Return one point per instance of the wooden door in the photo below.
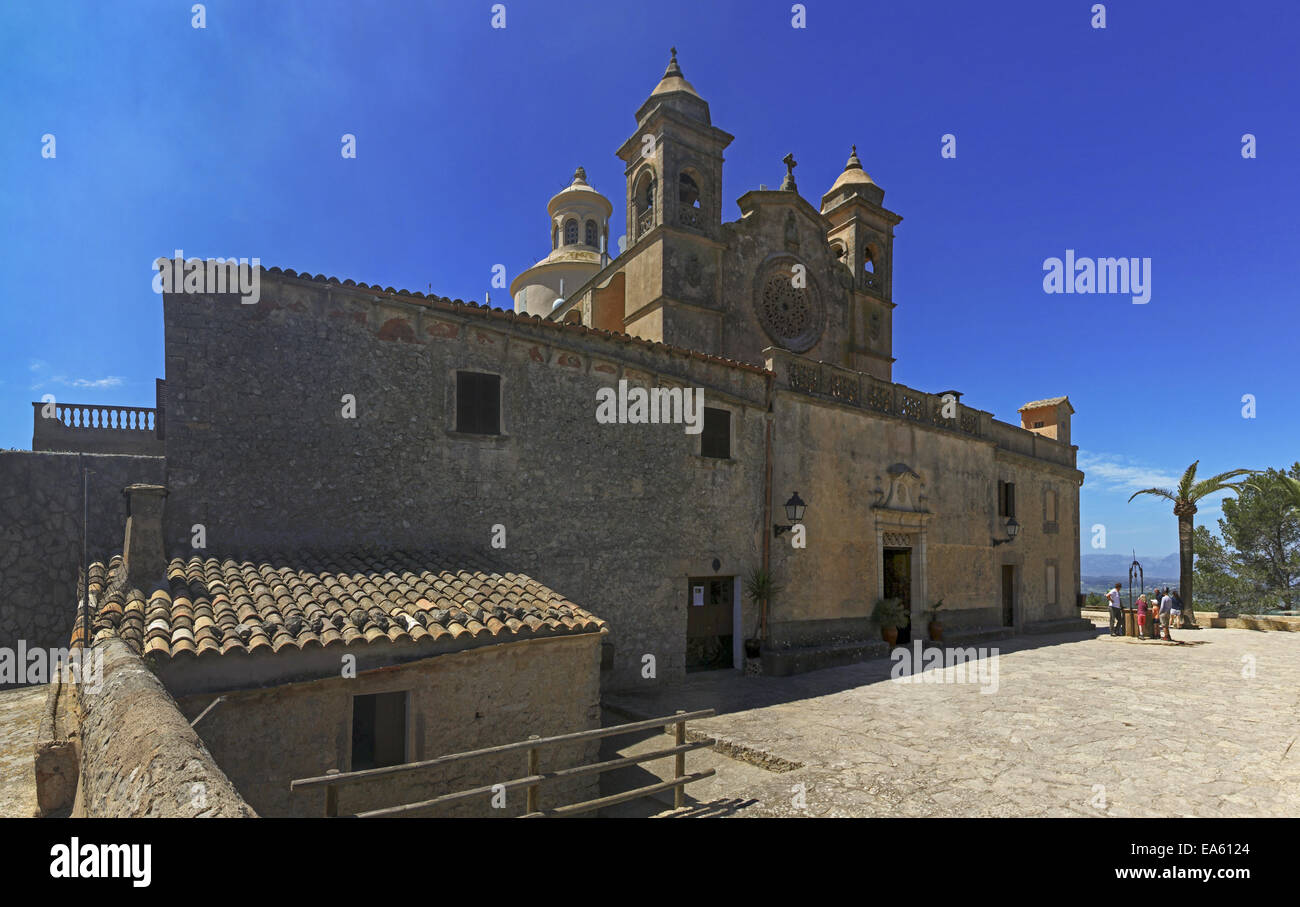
(898, 584)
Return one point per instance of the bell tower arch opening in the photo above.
(677, 141)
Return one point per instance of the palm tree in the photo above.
(1185, 496)
(1292, 488)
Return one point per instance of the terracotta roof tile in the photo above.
(1050, 401)
(222, 605)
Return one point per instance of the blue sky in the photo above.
(225, 141)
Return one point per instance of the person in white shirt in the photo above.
(1116, 612)
(1167, 614)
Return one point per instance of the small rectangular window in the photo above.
(1006, 499)
(1051, 584)
(478, 403)
(1038, 425)
(715, 440)
(378, 730)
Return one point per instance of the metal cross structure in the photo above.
(1135, 568)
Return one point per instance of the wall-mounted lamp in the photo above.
(1013, 529)
(794, 509)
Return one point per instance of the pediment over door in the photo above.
(905, 492)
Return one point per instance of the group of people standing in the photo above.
(1156, 613)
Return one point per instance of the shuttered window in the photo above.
(715, 440)
(1006, 499)
(478, 403)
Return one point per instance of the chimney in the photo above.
(143, 556)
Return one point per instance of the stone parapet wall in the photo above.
(139, 757)
(1254, 622)
(96, 428)
(833, 383)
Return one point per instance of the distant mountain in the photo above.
(1116, 566)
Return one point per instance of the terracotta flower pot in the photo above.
(936, 630)
(890, 635)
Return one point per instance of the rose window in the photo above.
(789, 314)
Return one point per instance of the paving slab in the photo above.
(1079, 725)
(20, 718)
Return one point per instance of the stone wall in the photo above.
(1042, 541)
(325, 416)
(614, 517)
(138, 756)
(264, 739)
(40, 535)
(846, 462)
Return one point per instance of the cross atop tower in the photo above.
(787, 185)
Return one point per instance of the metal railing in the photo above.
(533, 778)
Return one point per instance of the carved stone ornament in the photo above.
(792, 316)
(906, 490)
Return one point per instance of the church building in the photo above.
(341, 423)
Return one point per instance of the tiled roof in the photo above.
(212, 606)
(1050, 401)
(461, 307)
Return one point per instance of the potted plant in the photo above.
(759, 589)
(888, 613)
(935, 627)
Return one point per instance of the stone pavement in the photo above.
(20, 717)
(1079, 725)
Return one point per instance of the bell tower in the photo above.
(674, 161)
(861, 236)
(674, 218)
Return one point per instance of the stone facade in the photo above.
(266, 738)
(614, 517)
(812, 281)
(617, 517)
(40, 535)
(880, 465)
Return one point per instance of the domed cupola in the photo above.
(853, 181)
(675, 92)
(579, 217)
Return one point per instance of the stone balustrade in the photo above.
(96, 428)
(859, 389)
